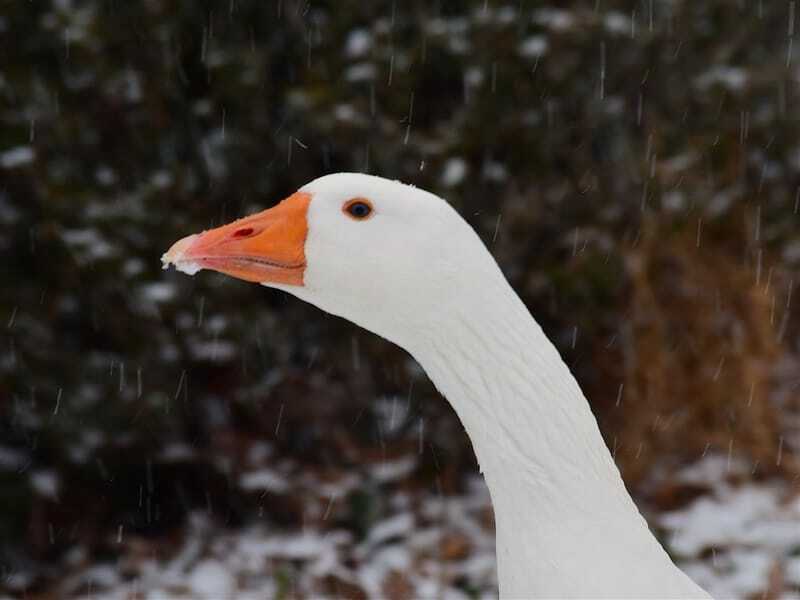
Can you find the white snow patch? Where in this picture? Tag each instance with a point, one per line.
(216, 323)
(345, 112)
(721, 202)
(555, 19)
(392, 470)
(373, 573)
(458, 45)
(792, 571)
(533, 47)
(748, 528)
(494, 171)
(304, 546)
(259, 452)
(177, 452)
(455, 169)
(391, 412)
(447, 26)
(360, 72)
(17, 157)
(674, 201)
(742, 573)
(264, 479)
(102, 576)
(105, 175)
(46, 483)
(211, 579)
(746, 547)
(339, 488)
(212, 149)
(162, 179)
(711, 522)
(132, 267)
(18, 581)
(679, 163)
(484, 15)
(358, 43)
(91, 244)
(214, 350)
(473, 76)
(505, 15)
(395, 526)
(617, 23)
(733, 79)
(202, 107)
(127, 85)
(133, 86)
(158, 291)
(791, 252)
(713, 469)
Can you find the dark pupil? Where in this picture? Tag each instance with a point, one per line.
(359, 210)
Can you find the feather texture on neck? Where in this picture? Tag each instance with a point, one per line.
(566, 525)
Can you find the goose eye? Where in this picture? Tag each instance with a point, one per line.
(358, 208)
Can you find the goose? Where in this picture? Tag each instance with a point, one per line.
(403, 264)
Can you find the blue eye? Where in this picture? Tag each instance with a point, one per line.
(358, 208)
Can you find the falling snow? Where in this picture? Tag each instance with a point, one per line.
(633, 171)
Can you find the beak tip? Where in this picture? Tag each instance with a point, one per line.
(176, 255)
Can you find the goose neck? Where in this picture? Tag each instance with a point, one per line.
(565, 523)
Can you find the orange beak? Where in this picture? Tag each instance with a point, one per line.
(267, 247)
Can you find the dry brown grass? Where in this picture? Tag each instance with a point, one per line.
(694, 355)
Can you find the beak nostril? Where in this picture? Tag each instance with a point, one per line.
(244, 232)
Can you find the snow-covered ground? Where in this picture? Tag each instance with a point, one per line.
(738, 540)
(741, 540)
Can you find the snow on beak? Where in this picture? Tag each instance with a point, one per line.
(267, 247)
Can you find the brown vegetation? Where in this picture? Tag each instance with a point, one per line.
(694, 354)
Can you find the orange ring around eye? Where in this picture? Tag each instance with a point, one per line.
(358, 209)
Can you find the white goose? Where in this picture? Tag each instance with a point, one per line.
(403, 264)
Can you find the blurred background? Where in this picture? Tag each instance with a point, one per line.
(634, 167)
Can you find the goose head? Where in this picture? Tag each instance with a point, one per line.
(385, 255)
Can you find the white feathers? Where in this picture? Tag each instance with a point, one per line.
(417, 274)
